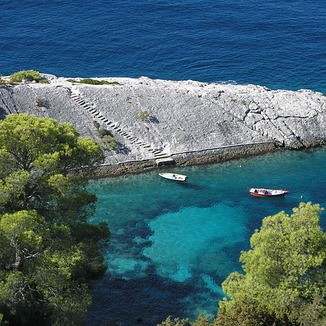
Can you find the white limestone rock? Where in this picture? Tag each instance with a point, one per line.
(184, 115)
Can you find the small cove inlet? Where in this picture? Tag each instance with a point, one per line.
(173, 244)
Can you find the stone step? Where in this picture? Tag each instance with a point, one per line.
(161, 155)
(134, 140)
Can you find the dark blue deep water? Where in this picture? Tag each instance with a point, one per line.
(275, 43)
(172, 245)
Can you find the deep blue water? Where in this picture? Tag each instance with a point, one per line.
(173, 244)
(276, 43)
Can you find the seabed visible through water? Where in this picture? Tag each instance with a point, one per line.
(173, 244)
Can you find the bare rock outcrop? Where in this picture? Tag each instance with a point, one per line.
(158, 119)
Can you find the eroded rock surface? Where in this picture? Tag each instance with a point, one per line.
(184, 116)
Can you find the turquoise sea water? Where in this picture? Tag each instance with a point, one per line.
(173, 244)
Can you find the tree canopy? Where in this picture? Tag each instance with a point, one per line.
(43, 165)
(49, 254)
(285, 271)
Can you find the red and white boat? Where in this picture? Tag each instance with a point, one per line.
(262, 192)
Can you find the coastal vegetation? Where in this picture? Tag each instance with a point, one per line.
(143, 115)
(91, 81)
(106, 136)
(3, 82)
(284, 276)
(49, 254)
(29, 75)
(40, 102)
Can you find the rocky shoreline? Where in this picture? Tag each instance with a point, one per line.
(208, 156)
(157, 123)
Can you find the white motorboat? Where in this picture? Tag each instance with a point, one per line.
(173, 176)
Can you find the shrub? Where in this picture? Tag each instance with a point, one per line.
(106, 137)
(3, 83)
(30, 75)
(40, 102)
(143, 115)
(104, 132)
(96, 124)
(109, 141)
(91, 81)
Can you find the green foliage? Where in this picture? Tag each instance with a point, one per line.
(285, 270)
(40, 102)
(30, 75)
(109, 141)
(38, 157)
(314, 313)
(96, 124)
(143, 115)
(49, 254)
(247, 313)
(201, 321)
(175, 322)
(3, 83)
(103, 132)
(91, 81)
(39, 265)
(107, 138)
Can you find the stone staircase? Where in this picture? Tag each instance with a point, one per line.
(158, 155)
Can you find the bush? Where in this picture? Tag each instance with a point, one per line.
(106, 137)
(104, 132)
(143, 115)
(40, 102)
(96, 124)
(109, 142)
(91, 81)
(3, 83)
(30, 75)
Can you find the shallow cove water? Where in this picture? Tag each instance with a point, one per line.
(173, 244)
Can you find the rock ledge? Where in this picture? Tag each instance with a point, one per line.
(159, 122)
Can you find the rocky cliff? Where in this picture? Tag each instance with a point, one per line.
(184, 121)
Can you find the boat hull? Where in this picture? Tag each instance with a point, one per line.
(174, 177)
(262, 192)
